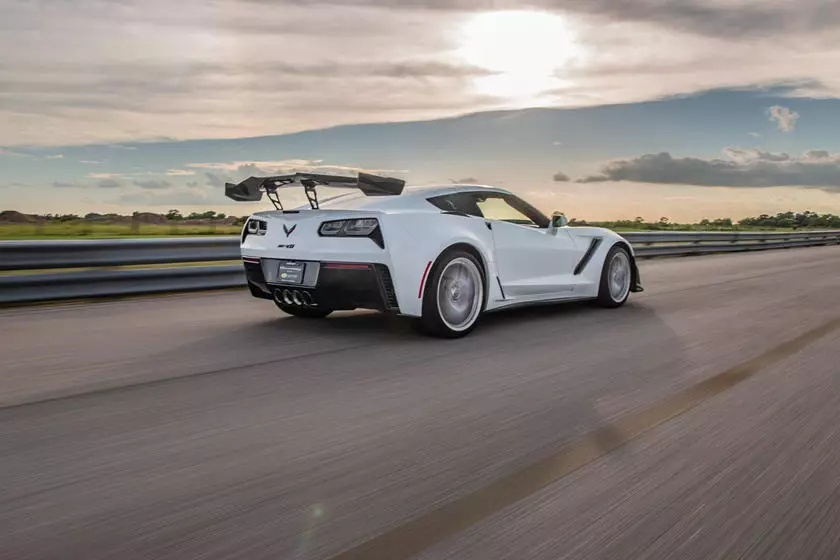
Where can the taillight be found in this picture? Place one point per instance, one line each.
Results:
(254, 227)
(359, 227)
(354, 227)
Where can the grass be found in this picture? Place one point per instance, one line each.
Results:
(696, 228)
(81, 230)
(624, 226)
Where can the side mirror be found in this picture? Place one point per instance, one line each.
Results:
(558, 220)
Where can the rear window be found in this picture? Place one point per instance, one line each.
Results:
(463, 203)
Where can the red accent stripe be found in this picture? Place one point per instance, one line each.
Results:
(348, 266)
(423, 280)
(252, 260)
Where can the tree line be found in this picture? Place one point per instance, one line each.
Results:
(782, 220)
(171, 215)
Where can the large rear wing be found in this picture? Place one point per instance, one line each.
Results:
(252, 188)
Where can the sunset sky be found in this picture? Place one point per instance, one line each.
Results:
(602, 109)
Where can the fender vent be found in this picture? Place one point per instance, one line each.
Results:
(593, 246)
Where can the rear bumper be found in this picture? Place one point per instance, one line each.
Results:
(326, 285)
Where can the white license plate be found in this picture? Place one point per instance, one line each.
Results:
(290, 272)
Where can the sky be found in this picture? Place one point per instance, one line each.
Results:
(603, 109)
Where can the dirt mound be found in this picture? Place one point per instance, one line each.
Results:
(149, 218)
(14, 217)
(211, 222)
(109, 219)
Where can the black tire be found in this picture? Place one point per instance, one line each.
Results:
(303, 312)
(432, 322)
(605, 297)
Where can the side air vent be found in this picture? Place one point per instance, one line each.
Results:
(387, 285)
(593, 246)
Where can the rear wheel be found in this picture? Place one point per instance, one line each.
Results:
(616, 276)
(304, 312)
(454, 295)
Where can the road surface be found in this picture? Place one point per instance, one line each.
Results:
(700, 421)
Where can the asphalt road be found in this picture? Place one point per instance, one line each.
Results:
(698, 421)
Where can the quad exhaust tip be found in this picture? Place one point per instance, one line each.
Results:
(294, 297)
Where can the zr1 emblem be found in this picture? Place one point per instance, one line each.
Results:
(290, 246)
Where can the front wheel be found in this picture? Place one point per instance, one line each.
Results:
(454, 296)
(304, 312)
(616, 276)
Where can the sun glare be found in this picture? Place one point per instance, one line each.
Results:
(524, 49)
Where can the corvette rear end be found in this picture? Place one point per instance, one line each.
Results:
(318, 260)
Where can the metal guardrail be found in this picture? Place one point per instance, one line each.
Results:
(40, 255)
(102, 276)
(96, 283)
(683, 243)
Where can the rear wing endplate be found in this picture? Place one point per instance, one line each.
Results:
(252, 188)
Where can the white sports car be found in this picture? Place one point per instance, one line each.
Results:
(443, 255)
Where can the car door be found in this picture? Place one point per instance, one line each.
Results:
(532, 259)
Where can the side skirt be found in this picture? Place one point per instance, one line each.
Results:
(533, 303)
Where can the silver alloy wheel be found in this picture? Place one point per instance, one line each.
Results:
(460, 293)
(619, 276)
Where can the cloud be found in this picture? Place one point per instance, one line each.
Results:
(12, 153)
(405, 69)
(252, 170)
(153, 184)
(93, 101)
(817, 154)
(783, 117)
(91, 162)
(745, 168)
(215, 180)
(104, 175)
(250, 166)
(754, 134)
(108, 184)
(114, 87)
(749, 154)
(237, 171)
(726, 18)
(560, 177)
(178, 195)
(67, 185)
(179, 172)
(55, 156)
